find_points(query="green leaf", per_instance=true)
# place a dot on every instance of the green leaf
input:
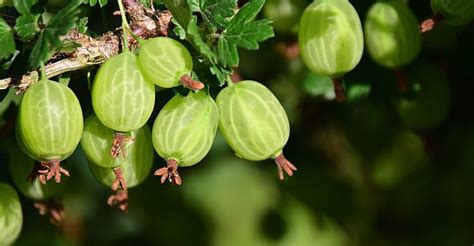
(246, 14)
(196, 39)
(228, 54)
(145, 3)
(27, 24)
(5, 103)
(180, 10)
(24, 6)
(49, 39)
(242, 31)
(214, 12)
(82, 24)
(250, 34)
(7, 43)
(102, 3)
(40, 53)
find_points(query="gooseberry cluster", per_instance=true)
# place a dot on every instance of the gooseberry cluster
(119, 144)
(116, 139)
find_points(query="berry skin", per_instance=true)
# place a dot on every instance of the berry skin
(254, 123)
(183, 132)
(135, 168)
(284, 13)
(11, 216)
(166, 62)
(97, 141)
(391, 34)
(330, 37)
(121, 174)
(20, 166)
(50, 124)
(121, 97)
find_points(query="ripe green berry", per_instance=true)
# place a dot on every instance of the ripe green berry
(96, 142)
(254, 123)
(20, 166)
(119, 173)
(284, 13)
(11, 216)
(135, 168)
(430, 104)
(183, 132)
(50, 124)
(167, 63)
(121, 97)
(391, 34)
(330, 37)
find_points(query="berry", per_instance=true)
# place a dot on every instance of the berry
(284, 13)
(391, 34)
(20, 166)
(183, 132)
(454, 12)
(122, 99)
(117, 173)
(50, 124)
(96, 142)
(167, 63)
(11, 216)
(330, 37)
(254, 123)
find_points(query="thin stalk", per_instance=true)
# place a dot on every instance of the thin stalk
(124, 25)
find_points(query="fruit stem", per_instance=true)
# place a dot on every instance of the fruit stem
(169, 172)
(402, 80)
(284, 165)
(124, 25)
(43, 72)
(430, 23)
(339, 89)
(190, 83)
(54, 207)
(289, 51)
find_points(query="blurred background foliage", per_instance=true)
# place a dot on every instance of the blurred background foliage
(383, 168)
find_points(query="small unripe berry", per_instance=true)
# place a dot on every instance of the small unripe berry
(11, 216)
(391, 34)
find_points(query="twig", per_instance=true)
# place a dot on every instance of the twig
(93, 51)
